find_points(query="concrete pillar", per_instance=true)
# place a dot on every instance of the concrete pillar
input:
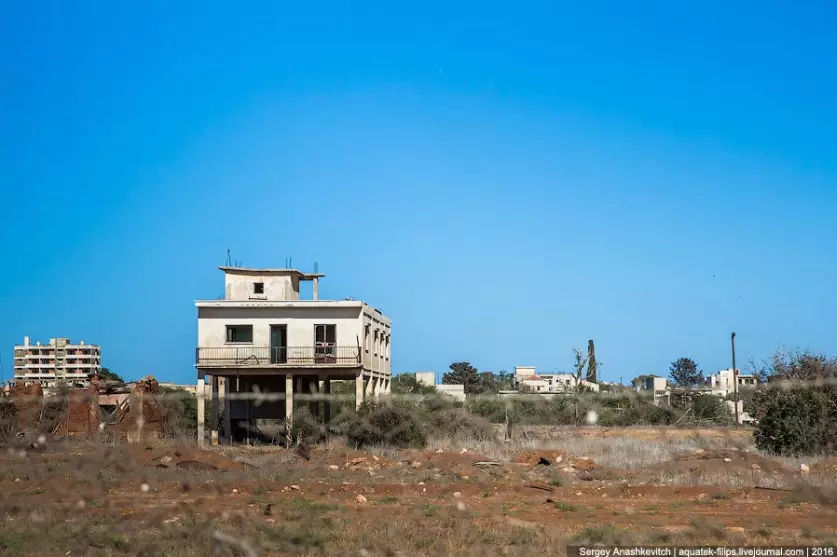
(370, 386)
(327, 404)
(316, 289)
(289, 407)
(314, 390)
(387, 386)
(214, 411)
(358, 389)
(200, 394)
(223, 390)
(376, 387)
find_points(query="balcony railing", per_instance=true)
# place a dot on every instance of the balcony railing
(224, 356)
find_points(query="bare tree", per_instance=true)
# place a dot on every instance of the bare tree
(796, 365)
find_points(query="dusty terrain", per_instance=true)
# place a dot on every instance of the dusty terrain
(529, 496)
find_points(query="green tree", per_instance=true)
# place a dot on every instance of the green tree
(108, 375)
(406, 384)
(685, 373)
(504, 380)
(463, 373)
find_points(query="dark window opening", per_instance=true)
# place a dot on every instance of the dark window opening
(325, 340)
(239, 333)
(258, 288)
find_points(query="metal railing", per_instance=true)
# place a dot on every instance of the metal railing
(277, 356)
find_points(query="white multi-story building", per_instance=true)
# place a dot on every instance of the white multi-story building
(59, 361)
(722, 383)
(263, 338)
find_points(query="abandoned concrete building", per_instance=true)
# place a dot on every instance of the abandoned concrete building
(261, 338)
(59, 361)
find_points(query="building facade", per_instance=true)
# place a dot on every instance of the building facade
(527, 380)
(59, 361)
(262, 338)
(723, 383)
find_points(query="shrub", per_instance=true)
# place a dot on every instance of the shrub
(711, 408)
(387, 423)
(305, 428)
(795, 421)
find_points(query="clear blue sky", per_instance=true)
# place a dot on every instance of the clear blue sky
(505, 180)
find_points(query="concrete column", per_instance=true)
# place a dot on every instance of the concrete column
(376, 387)
(214, 409)
(314, 389)
(370, 386)
(226, 406)
(358, 389)
(316, 289)
(200, 394)
(289, 407)
(327, 404)
(388, 386)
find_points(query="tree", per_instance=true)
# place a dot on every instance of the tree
(108, 375)
(504, 380)
(685, 373)
(578, 368)
(407, 384)
(463, 373)
(797, 365)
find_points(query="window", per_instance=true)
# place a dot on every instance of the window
(325, 335)
(258, 288)
(325, 340)
(239, 333)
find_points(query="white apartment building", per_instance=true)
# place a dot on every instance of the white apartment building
(722, 383)
(59, 361)
(651, 383)
(263, 338)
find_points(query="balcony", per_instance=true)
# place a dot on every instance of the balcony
(265, 356)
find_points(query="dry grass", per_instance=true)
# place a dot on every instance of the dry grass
(97, 498)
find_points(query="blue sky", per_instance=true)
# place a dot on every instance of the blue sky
(505, 180)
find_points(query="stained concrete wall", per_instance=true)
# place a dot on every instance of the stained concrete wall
(240, 286)
(299, 319)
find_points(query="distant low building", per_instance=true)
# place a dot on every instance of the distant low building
(428, 378)
(722, 383)
(527, 380)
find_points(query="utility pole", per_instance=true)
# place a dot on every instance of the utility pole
(734, 379)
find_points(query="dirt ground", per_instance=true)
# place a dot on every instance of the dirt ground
(583, 485)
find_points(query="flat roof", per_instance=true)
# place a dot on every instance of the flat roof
(251, 271)
(288, 304)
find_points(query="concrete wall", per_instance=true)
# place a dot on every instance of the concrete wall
(456, 391)
(426, 378)
(213, 321)
(521, 372)
(239, 286)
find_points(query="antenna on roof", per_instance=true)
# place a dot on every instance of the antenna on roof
(290, 263)
(229, 261)
(316, 268)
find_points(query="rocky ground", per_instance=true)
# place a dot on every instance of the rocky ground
(530, 496)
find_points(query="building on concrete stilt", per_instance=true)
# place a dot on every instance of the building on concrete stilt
(261, 344)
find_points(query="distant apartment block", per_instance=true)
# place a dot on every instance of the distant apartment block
(60, 361)
(722, 383)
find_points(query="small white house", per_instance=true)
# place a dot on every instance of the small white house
(723, 383)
